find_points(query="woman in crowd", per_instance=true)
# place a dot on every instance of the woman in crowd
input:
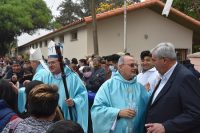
(42, 103)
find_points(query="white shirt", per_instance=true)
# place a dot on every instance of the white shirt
(150, 76)
(164, 79)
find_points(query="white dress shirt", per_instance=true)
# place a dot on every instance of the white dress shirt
(164, 79)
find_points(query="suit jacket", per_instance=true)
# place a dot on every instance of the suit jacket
(177, 106)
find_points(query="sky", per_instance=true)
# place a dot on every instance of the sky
(53, 4)
(25, 38)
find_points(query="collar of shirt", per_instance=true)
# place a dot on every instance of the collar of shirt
(167, 75)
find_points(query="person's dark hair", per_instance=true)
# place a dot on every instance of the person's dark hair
(109, 58)
(31, 85)
(144, 54)
(28, 74)
(190, 66)
(104, 57)
(115, 58)
(8, 94)
(15, 62)
(83, 61)
(67, 61)
(65, 126)
(74, 61)
(43, 100)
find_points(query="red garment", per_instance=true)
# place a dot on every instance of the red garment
(13, 117)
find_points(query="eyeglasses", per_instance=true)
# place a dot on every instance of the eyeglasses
(52, 63)
(132, 65)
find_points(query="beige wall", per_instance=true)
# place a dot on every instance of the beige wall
(158, 28)
(44, 48)
(77, 48)
(139, 23)
(110, 36)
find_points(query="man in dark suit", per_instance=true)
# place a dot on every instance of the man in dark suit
(174, 106)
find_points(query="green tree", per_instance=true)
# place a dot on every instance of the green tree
(19, 16)
(112, 4)
(71, 11)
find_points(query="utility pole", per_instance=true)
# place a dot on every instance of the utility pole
(125, 26)
(94, 27)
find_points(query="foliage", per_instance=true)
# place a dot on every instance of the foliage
(109, 5)
(54, 25)
(189, 7)
(67, 14)
(71, 11)
(104, 7)
(19, 16)
(196, 48)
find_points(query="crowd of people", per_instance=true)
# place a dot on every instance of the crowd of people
(107, 94)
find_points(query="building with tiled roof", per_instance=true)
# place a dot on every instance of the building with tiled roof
(146, 27)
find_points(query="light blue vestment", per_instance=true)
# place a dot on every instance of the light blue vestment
(21, 100)
(77, 92)
(40, 74)
(114, 95)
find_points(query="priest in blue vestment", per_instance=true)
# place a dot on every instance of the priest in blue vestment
(120, 104)
(78, 100)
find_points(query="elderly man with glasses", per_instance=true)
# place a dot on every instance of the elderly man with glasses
(120, 103)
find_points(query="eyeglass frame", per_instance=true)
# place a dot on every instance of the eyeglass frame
(52, 63)
(132, 65)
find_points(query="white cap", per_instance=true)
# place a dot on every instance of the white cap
(52, 51)
(35, 54)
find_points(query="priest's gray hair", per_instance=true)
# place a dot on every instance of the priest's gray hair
(164, 49)
(121, 59)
